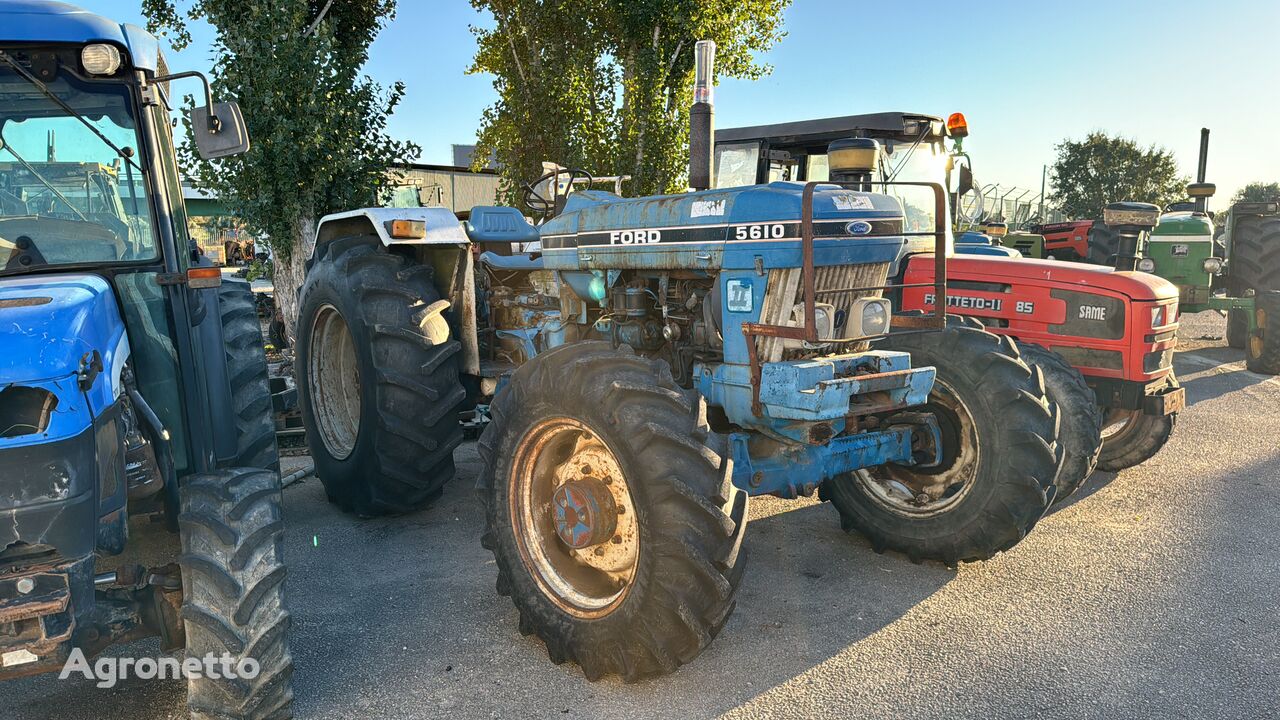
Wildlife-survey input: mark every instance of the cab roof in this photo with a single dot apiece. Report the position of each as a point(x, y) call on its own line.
point(44, 21)
point(901, 126)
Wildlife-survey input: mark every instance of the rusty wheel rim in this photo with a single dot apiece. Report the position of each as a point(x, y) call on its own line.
point(1117, 422)
point(574, 519)
point(334, 382)
point(929, 492)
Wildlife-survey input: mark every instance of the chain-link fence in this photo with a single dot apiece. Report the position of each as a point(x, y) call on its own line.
point(1010, 204)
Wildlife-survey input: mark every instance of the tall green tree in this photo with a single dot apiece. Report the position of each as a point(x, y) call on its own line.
point(1103, 169)
point(606, 85)
point(316, 124)
point(1257, 192)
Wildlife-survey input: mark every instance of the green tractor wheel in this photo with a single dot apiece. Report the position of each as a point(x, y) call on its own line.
point(1237, 328)
point(1255, 254)
point(1104, 243)
point(1262, 353)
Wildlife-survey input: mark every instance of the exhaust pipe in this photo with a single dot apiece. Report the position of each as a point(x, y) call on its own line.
point(702, 117)
point(1202, 202)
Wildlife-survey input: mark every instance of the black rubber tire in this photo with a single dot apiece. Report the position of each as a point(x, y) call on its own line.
point(1137, 442)
point(1262, 354)
point(1104, 243)
point(233, 575)
point(247, 370)
point(1255, 254)
point(409, 388)
point(1014, 482)
point(1080, 431)
point(692, 518)
point(1237, 328)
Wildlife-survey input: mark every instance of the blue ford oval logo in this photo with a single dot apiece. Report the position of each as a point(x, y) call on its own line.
point(858, 227)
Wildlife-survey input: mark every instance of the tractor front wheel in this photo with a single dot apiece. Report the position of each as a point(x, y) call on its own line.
point(378, 378)
point(1080, 434)
point(233, 594)
point(1237, 328)
point(610, 511)
point(1262, 354)
point(996, 478)
point(1130, 438)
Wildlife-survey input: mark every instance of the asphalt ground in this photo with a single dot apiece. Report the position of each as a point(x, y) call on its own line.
point(1152, 593)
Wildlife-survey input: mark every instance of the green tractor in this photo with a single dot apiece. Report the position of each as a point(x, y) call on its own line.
point(1237, 273)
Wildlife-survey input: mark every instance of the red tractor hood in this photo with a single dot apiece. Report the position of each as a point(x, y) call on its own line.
point(1136, 286)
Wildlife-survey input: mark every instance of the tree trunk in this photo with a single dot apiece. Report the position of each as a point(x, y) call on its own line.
point(290, 272)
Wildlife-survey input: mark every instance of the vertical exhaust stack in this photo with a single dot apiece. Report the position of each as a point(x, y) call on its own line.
point(1202, 202)
point(702, 117)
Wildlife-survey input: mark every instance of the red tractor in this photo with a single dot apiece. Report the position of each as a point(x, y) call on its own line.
point(1065, 240)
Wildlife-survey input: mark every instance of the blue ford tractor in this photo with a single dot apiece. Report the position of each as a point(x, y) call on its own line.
point(133, 382)
point(648, 364)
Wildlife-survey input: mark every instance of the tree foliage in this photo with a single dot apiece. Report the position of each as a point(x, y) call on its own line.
point(1257, 192)
point(606, 85)
point(1103, 169)
point(316, 124)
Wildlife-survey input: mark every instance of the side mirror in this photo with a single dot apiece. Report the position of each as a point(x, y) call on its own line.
point(219, 130)
point(965, 183)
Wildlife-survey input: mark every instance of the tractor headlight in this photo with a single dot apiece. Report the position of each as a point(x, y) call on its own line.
point(1213, 265)
point(1147, 265)
point(1158, 316)
point(100, 59)
point(872, 316)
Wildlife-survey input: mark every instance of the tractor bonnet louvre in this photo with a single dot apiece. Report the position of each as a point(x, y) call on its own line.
point(837, 285)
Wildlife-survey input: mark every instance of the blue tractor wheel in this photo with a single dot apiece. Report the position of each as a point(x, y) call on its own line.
point(996, 478)
point(610, 511)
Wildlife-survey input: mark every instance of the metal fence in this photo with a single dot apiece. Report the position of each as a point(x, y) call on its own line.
point(1010, 204)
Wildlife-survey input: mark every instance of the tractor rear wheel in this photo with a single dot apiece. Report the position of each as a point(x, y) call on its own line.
point(1104, 244)
point(1130, 438)
point(611, 512)
point(247, 371)
point(378, 379)
point(1255, 254)
point(1080, 434)
point(996, 478)
point(1237, 328)
point(233, 594)
point(1262, 354)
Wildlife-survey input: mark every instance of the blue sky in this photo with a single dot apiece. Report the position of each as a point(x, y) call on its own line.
point(1026, 74)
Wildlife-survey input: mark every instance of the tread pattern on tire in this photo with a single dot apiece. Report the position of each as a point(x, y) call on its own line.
point(1104, 244)
point(404, 453)
point(1255, 254)
point(247, 372)
point(1140, 443)
point(680, 475)
point(233, 591)
point(1267, 361)
point(1080, 435)
point(1020, 464)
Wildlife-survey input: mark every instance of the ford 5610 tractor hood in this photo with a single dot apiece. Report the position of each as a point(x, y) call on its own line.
point(48, 324)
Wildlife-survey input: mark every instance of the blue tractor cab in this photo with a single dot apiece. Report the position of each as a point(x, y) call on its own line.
point(134, 381)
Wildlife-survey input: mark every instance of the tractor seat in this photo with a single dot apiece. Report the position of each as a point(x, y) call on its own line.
point(497, 224)
point(519, 261)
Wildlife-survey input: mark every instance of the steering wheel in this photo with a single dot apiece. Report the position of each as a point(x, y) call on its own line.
point(544, 206)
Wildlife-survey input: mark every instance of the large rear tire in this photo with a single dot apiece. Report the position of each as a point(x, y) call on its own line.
point(378, 379)
point(997, 475)
point(1080, 432)
point(233, 593)
point(247, 371)
point(1262, 354)
point(1104, 244)
point(644, 571)
point(1255, 254)
point(1130, 438)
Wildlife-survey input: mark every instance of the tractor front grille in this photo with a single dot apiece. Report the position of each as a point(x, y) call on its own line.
point(835, 285)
